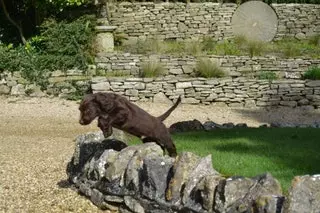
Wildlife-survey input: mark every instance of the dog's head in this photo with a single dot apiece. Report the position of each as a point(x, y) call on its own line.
point(89, 109)
point(93, 105)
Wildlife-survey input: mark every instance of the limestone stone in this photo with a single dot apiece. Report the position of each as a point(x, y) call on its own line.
point(183, 85)
point(190, 101)
point(181, 169)
point(161, 98)
point(132, 92)
point(304, 194)
point(19, 89)
point(4, 90)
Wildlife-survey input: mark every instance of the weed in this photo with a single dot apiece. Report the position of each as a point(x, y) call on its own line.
point(312, 73)
point(208, 43)
point(255, 48)
point(208, 69)
point(151, 69)
point(267, 75)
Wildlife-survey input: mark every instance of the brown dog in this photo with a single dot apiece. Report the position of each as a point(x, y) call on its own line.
point(116, 111)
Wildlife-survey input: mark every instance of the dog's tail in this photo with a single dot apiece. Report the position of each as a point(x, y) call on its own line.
point(169, 111)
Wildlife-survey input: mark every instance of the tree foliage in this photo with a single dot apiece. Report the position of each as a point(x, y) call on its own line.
point(19, 19)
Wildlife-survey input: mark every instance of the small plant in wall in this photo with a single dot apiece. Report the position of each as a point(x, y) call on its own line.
point(267, 75)
point(150, 69)
point(312, 73)
point(208, 69)
point(255, 48)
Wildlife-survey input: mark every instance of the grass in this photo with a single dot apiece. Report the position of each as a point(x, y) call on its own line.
point(284, 152)
point(208, 69)
point(312, 73)
point(239, 45)
point(267, 75)
point(151, 69)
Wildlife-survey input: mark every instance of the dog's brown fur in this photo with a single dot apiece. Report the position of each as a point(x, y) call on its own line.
point(116, 111)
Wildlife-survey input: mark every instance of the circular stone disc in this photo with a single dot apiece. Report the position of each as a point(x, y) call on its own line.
point(255, 20)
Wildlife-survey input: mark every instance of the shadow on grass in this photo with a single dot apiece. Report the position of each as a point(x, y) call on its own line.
point(284, 152)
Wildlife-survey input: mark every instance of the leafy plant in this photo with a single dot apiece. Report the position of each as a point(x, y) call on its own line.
point(151, 69)
point(62, 46)
point(208, 69)
point(70, 39)
point(312, 73)
point(267, 75)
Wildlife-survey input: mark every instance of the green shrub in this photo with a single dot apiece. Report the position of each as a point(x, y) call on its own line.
point(73, 40)
point(151, 69)
point(267, 75)
point(61, 45)
point(312, 73)
point(208, 69)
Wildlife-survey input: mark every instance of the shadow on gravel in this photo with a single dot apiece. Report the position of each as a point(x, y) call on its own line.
point(284, 115)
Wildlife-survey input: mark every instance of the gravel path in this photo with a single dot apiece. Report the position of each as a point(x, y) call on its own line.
point(36, 143)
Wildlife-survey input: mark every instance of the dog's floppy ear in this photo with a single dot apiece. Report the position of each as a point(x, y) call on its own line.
point(105, 101)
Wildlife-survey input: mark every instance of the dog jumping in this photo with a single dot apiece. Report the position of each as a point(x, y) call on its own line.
point(113, 110)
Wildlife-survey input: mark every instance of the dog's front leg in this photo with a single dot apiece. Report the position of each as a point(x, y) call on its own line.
point(103, 124)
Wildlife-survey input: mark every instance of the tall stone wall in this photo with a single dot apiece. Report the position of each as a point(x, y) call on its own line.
point(234, 66)
point(195, 20)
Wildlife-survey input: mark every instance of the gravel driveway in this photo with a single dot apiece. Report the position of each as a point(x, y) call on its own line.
point(36, 143)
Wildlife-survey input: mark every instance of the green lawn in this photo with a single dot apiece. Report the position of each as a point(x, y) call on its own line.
point(284, 152)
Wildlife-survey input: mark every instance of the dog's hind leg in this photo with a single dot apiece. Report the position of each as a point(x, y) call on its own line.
point(169, 145)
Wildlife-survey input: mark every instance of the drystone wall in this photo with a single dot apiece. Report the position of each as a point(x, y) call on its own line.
point(141, 179)
point(234, 66)
point(232, 92)
point(195, 20)
point(237, 92)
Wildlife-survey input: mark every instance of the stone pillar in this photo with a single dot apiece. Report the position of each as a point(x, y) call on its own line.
point(104, 38)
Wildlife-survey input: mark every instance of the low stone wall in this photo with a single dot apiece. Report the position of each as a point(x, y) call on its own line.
point(195, 20)
point(237, 92)
point(141, 179)
point(234, 66)
point(62, 84)
point(232, 92)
